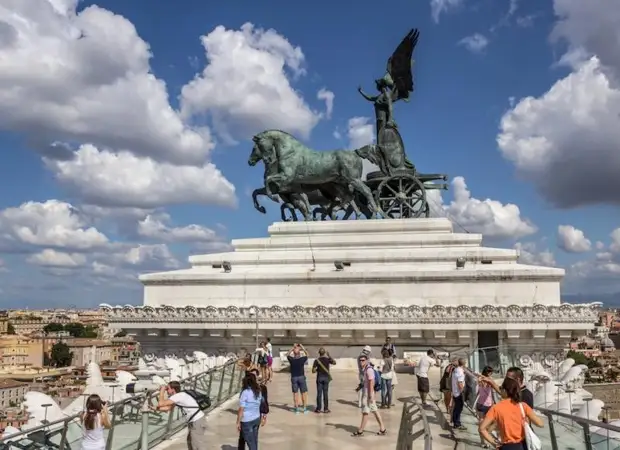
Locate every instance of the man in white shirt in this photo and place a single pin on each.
(196, 420)
(269, 360)
(458, 389)
(422, 368)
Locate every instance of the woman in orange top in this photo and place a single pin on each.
(507, 417)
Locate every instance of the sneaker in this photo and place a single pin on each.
(327, 411)
(317, 411)
(462, 428)
(297, 411)
(305, 411)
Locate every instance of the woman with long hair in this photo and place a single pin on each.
(249, 416)
(445, 386)
(94, 420)
(264, 406)
(510, 417)
(484, 401)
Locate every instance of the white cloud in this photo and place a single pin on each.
(147, 257)
(490, 217)
(245, 88)
(530, 254)
(122, 179)
(328, 98)
(53, 258)
(157, 227)
(573, 240)
(439, 7)
(572, 131)
(476, 43)
(51, 224)
(601, 271)
(85, 77)
(361, 132)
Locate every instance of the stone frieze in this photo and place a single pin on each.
(565, 313)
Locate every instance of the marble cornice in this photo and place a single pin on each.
(565, 313)
(347, 277)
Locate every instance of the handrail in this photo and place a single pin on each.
(145, 428)
(573, 423)
(406, 436)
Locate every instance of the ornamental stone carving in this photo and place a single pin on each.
(355, 314)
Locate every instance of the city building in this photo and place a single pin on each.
(20, 352)
(12, 393)
(89, 350)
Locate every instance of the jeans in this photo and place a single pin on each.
(457, 410)
(386, 392)
(249, 432)
(322, 393)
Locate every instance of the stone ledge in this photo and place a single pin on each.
(421, 225)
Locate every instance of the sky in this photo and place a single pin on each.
(125, 128)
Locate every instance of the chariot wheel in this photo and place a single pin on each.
(402, 196)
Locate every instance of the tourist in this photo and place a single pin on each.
(389, 346)
(323, 377)
(298, 378)
(422, 369)
(366, 351)
(264, 406)
(387, 374)
(508, 416)
(458, 388)
(368, 402)
(249, 416)
(94, 420)
(484, 400)
(445, 385)
(196, 419)
(261, 359)
(517, 374)
(269, 360)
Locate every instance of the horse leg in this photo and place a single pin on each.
(361, 187)
(260, 208)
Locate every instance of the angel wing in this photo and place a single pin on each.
(399, 65)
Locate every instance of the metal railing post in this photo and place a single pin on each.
(554, 440)
(144, 435)
(586, 436)
(221, 387)
(63, 435)
(110, 440)
(232, 381)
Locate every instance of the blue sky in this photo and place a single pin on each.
(94, 94)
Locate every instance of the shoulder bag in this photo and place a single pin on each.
(532, 441)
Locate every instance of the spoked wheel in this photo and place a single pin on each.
(402, 196)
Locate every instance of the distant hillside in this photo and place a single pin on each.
(611, 300)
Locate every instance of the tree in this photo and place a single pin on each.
(10, 329)
(90, 332)
(75, 329)
(53, 327)
(61, 355)
(579, 357)
(121, 333)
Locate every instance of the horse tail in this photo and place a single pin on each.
(368, 152)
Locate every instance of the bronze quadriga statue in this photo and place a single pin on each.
(322, 184)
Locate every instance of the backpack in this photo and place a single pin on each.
(444, 383)
(204, 402)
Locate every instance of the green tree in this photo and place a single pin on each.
(61, 355)
(10, 329)
(90, 332)
(75, 329)
(53, 327)
(579, 357)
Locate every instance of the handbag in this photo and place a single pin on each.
(532, 441)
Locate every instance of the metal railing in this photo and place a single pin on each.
(134, 425)
(561, 430)
(412, 410)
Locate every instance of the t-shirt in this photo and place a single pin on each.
(509, 420)
(527, 397)
(369, 375)
(326, 361)
(269, 349)
(188, 405)
(250, 404)
(297, 365)
(458, 376)
(425, 363)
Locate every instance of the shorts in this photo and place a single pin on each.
(482, 409)
(298, 384)
(269, 361)
(423, 384)
(366, 406)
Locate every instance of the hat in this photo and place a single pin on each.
(367, 349)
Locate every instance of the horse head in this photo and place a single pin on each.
(263, 149)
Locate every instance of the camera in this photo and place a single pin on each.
(141, 386)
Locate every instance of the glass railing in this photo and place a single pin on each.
(134, 425)
(413, 424)
(563, 430)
